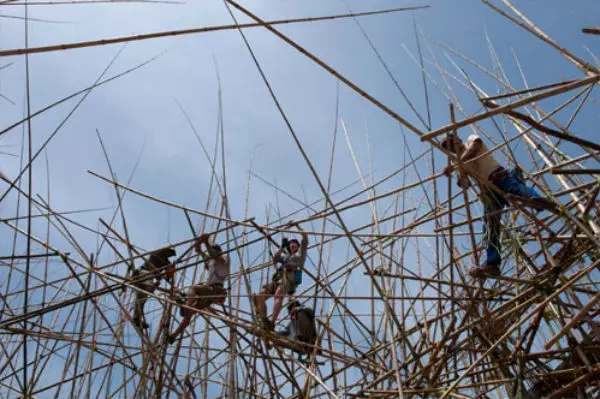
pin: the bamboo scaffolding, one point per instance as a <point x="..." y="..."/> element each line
<point x="397" y="316"/>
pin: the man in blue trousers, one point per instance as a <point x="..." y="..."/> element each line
<point x="485" y="169"/>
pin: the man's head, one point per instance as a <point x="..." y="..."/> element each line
<point x="294" y="245"/>
<point x="453" y="144"/>
<point x="217" y="248"/>
<point x="165" y="252"/>
<point x="293" y="306"/>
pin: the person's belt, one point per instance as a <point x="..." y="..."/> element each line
<point x="497" y="175"/>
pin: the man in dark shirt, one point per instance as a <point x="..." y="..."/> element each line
<point x="301" y="326"/>
<point x="147" y="278"/>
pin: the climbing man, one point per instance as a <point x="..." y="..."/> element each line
<point x="485" y="169"/>
<point x="147" y="279"/>
<point x="202" y="296"/>
<point x="301" y="326"/>
<point x="291" y="255"/>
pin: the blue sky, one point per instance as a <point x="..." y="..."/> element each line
<point x="140" y="111"/>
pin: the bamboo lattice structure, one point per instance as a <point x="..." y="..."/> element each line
<point x="424" y="328"/>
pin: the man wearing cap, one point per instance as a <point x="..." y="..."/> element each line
<point x="292" y="257"/>
<point x="146" y="280"/>
<point x="202" y="296"/>
<point x="486" y="170"/>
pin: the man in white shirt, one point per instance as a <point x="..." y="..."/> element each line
<point x="202" y="296"/>
<point x="486" y="170"/>
<point x="292" y="257"/>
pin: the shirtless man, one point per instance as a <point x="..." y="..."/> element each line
<point x="488" y="170"/>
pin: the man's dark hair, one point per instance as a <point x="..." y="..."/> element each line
<point x="291" y="305"/>
<point x="294" y="240"/>
<point x="217" y="247"/>
<point x="165" y="252"/>
<point x="446" y="143"/>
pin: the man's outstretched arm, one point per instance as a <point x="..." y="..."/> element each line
<point x="304" y="236"/>
<point x="471" y="152"/>
<point x="203" y="239"/>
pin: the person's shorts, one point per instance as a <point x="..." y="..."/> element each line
<point x="287" y="281"/>
<point x="202" y="296"/>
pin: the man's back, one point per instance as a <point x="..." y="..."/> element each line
<point x="218" y="270"/>
<point x="487" y="163"/>
<point x="306" y="331"/>
<point x="155" y="262"/>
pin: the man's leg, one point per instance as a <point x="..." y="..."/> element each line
<point x="492" y="203"/>
<point x="185" y="321"/>
<point x="493" y="232"/>
<point x="138" y="307"/>
<point x="138" y="311"/>
<point x="287" y="286"/>
<point x="260" y="304"/>
<point x="195" y="292"/>
<point x="511" y="184"/>
<point x="278" y="302"/>
<point x="141" y="297"/>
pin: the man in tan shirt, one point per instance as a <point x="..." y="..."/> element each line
<point x="202" y="296"/>
<point x="486" y="170"/>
